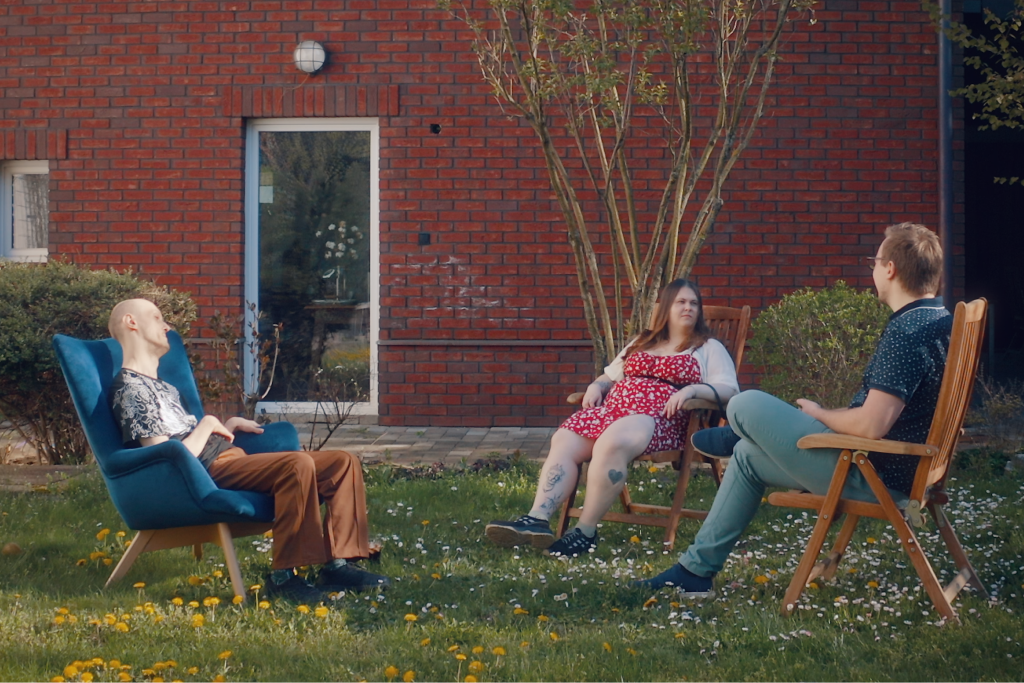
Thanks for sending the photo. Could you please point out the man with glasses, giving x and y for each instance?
(896, 401)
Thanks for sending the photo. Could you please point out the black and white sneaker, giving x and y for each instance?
(683, 580)
(716, 442)
(573, 544)
(350, 577)
(524, 531)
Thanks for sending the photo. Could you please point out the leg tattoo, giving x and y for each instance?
(615, 476)
(555, 475)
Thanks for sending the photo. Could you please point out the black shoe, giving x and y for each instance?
(524, 531)
(678, 576)
(573, 544)
(295, 589)
(350, 577)
(716, 442)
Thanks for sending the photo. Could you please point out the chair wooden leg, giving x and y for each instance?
(717, 470)
(197, 551)
(914, 551)
(956, 549)
(826, 517)
(563, 519)
(826, 569)
(227, 544)
(136, 548)
(679, 497)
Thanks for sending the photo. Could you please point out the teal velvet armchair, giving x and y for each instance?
(162, 491)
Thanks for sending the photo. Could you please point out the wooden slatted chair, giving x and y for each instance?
(929, 481)
(729, 326)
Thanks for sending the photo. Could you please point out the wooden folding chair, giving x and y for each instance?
(729, 326)
(928, 488)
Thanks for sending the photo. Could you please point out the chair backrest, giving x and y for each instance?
(955, 394)
(89, 368)
(729, 326)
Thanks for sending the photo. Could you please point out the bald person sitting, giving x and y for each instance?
(149, 412)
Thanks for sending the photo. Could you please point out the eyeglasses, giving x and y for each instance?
(872, 260)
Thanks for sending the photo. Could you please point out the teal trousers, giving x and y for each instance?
(766, 455)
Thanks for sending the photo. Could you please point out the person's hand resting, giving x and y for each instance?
(675, 401)
(240, 424)
(593, 397)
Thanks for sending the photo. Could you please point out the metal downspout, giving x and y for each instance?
(946, 155)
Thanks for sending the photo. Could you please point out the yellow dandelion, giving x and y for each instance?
(467, 679)
(158, 679)
(121, 626)
(525, 643)
(63, 610)
(139, 584)
(761, 579)
(652, 469)
(123, 676)
(425, 522)
(82, 562)
(499, 650)
(61, 679)
(224, 655)
(453, 648)
(196, 581)
(872, 584)
(268, 534)
(58, 620)
(193, 603)
(102, 533)
(478, 649)
(812, 584)
(171, 663)
(110, 619)
(650, 602)
(158, 618)
(211, 601)
(159, 666)
(121, 534)
(107, 561)
(70, 671)
(415, 577)
(680, 635)
(554, 636)
(391, 672)
(219, 678)
(476, 666)
(634, 539)
(95, 555)
(177, 601)
(411, 617)
(435, 576)
(237, 600)
(303, 609)
(218, 574)
(425, 642)
(542, 618)
(409, 676)
(321, 612)
(871, 540)
(851, 570)
(607, 647)
(255, 587)
(631, 651)
(87, 677)
(519, 610)
(193, 670)
(461, 657)
(198, 620)
(264, 604)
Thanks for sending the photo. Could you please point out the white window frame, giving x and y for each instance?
(7, 171)
(252, 213)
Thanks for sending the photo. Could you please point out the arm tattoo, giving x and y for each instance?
(555, 475)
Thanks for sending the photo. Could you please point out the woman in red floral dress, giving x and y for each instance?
(634, 408)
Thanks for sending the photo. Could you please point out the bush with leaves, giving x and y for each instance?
(39, 300)
(816, 343)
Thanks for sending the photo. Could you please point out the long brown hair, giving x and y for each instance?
(658, 331)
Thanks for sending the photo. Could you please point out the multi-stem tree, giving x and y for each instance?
(582, 69)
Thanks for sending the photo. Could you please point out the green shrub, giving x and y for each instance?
(816, 343)
(39, 300)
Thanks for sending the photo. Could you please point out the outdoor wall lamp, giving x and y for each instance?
(309, 56)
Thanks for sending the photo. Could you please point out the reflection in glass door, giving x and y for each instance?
(311, 196)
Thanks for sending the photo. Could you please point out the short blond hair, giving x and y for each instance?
(917, 253)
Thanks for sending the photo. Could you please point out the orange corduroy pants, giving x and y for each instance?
(298, 480)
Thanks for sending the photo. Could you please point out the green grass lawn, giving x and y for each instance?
(460, 607)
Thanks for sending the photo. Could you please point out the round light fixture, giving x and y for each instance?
(309, 56)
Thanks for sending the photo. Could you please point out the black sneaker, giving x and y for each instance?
(573, 544)
(350, 578)
(716, 442)
(677, 576)
(295, 589)
(524, 531)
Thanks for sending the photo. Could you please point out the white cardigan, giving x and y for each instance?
(715, 363)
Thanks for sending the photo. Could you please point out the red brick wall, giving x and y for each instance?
(152, 97)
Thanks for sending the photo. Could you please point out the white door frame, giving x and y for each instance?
(252, 254)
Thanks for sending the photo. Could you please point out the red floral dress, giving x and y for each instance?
(648, 384)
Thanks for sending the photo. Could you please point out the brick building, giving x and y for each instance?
(155, 124)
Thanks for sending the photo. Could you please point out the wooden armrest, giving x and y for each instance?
(575, 398)
(699, 404)
(857, 443)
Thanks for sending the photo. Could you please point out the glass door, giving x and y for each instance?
(311, 258)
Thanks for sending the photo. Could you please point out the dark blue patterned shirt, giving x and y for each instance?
(908, 363)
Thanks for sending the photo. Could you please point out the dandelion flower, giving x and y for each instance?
(872, 584)
(411, 617)
(478, 649)
(139, 584)
(198, 620)
(409, 676)
(211, 602)
(95, 555)
(264, 604)
(871, 540)
(102, 533)
(435, 576)
(219, 678)
(224, 655)
(218, 574)
(650, 602)
(58, 620)
(453, 648)
(321, 612)
(499, 650)
(761, 579)
(519, 610)
(81, 563)
(61, 679)
(255, 587)
(680, 635)
(476, 666)
(425, 642)
(425, 522)
(634, 539)
(542, 618)
(461, 657)
(193, 670)
(525, 643)
(123, 676)
(193, 603)
(120, 534)
(554, 636)
(468, 679)
(70, 671)
(391, 672)
(237, 600)
(196, 580)
(87, 677)
(177, 601)
(303, 609)
(121, 626)
(631, 651)
(607, 647)
(107, 561)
